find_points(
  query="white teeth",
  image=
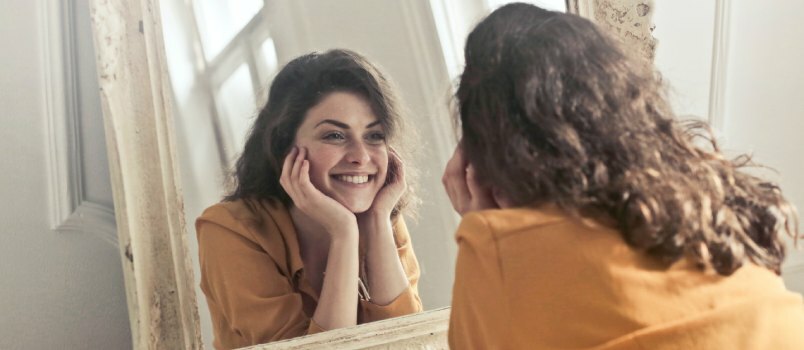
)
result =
(360, 179)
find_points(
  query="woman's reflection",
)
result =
(312, 237)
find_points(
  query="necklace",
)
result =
(362, 290)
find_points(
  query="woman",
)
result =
(311, 238)
(590, 218)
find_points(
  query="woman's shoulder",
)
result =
(501, 222)
(238, 214)
(545, 226)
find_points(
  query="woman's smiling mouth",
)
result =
(354, 179)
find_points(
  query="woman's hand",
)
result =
(395, 186)
(386, 276)
(460, 181)
(327, 212)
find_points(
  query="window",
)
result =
(553, 5)
(454, 20)
(220, 55)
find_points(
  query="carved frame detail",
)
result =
(629, 20)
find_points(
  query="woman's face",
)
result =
(346, 149)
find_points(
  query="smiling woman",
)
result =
(312, 231)
(347, 152)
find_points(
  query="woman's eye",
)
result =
(334, 136)
(376, 137)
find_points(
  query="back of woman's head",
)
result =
(300, 85)
(552, 110)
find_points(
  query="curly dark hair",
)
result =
(299, 86)
(553, 110)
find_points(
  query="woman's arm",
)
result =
(338, 300)
(337, 304)
(479, 315)
(386, 276)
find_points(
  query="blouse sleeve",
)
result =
(250, 301)
(408, 302)
(478, 315)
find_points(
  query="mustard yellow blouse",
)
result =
(539, 279)
(253, 276)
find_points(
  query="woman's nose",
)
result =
(357, 153)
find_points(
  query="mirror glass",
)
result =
(222, 56)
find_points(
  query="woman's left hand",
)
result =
(465, 193)
(394, 187)
(386, 276)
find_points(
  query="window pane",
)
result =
(220, 20)
(553, 5)
(268, 51)
(237, 108)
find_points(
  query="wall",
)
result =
(60, 288)
(684, 53)
(760, 85)
(764, 105)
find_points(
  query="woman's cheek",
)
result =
(322, 159)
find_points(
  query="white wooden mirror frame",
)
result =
(137, 107)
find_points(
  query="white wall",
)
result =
(764, 109)
(763, 85)
(685, 33)
(57, 289)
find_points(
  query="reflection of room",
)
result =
(59, 259)
(222, 56)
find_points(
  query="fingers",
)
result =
(454, 181)
(475, 190)
(463, 187)
(400, 170)
(297, 163)
(287, 167)
(295, 174)
(396, 169)
(304, 176)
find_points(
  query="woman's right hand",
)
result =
(462, 187)
(327, 212)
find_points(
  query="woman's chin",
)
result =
(356, 207)
(359, 209)
(357, 202)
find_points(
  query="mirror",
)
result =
(162, 178)
(222, 56)
(221, 59)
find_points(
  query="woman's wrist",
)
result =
(344, 231)
(372, 222)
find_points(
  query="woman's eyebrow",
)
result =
(333, 122)
(343, 125)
